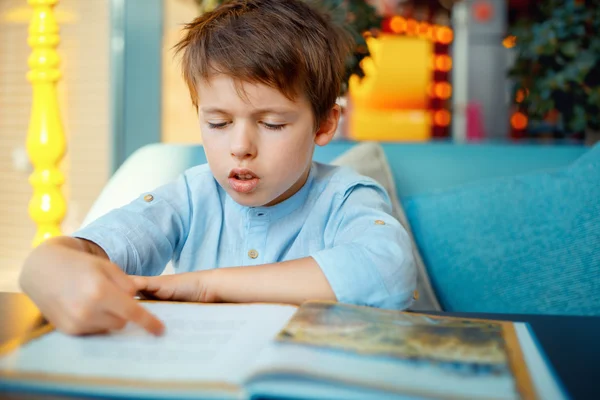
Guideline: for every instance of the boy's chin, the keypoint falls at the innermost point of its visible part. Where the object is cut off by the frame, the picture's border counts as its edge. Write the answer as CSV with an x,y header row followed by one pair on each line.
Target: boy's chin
x,y
247,200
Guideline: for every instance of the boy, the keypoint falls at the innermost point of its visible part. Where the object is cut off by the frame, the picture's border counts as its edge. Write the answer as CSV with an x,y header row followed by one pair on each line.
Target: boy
x,y
264,76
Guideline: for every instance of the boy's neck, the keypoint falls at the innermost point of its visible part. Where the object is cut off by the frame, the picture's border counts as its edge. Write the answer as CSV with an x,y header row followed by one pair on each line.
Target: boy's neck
x,y
295,188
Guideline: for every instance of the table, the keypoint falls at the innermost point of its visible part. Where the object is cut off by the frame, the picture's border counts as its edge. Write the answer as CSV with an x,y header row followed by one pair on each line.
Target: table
x,y
571,343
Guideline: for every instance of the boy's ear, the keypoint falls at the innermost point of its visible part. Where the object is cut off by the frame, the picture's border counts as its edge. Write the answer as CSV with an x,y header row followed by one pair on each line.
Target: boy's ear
x,y
328,127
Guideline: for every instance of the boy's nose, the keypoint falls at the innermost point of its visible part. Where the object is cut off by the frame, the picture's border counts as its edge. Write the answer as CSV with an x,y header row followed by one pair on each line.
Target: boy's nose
x,y
242,144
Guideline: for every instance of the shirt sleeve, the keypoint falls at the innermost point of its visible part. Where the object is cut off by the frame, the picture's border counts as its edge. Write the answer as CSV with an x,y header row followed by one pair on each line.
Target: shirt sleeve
x,y
370,260
144,235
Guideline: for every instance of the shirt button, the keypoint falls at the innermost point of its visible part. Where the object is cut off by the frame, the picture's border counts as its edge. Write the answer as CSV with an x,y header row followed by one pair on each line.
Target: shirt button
x,y
379,222
148,198
252,253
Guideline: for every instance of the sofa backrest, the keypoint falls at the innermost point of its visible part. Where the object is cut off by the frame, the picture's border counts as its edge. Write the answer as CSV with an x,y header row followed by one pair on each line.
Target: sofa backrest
x,y
423,167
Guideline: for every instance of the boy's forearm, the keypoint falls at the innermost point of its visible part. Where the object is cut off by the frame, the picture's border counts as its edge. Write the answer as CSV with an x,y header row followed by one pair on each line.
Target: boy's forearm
x,y
287,282
78,244
52,250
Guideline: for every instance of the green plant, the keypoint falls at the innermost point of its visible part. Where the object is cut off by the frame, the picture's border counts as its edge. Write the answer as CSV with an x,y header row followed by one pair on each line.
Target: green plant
x,y
356,16
557,64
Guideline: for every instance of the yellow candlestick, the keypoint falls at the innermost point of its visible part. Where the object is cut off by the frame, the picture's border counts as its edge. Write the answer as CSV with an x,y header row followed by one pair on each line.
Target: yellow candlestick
x,y
45,140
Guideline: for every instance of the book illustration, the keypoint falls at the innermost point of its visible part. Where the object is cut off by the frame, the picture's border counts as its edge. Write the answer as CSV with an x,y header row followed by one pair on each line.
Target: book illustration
x,y
461,346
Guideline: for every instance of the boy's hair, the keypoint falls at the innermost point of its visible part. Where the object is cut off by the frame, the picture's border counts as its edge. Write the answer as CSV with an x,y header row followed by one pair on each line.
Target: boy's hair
x,y
285,44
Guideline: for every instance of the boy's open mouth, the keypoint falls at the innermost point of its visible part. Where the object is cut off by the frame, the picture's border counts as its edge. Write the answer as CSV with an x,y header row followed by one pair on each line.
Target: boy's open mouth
x,y
242,180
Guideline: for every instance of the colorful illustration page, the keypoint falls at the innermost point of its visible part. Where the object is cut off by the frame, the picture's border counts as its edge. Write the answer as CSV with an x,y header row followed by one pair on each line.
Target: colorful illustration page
x,y
202,343
404,353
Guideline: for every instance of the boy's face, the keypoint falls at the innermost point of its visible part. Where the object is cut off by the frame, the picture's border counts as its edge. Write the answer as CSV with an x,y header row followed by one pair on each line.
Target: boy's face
x,y
259,146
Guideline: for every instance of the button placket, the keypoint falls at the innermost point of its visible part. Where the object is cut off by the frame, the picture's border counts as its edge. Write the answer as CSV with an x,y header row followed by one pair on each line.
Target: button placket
x,y
258,226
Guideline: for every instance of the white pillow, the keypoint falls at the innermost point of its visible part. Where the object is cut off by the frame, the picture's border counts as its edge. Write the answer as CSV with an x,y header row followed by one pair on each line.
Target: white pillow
x,y
368,159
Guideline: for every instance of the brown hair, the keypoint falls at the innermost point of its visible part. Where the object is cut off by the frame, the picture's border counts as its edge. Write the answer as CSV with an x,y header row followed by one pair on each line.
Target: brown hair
x,y
285,44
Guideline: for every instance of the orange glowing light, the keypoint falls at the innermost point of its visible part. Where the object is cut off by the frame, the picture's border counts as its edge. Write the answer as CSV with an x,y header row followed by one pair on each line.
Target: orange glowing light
x,y
443,63
518,121
411,27
398,24
441,118
520,95
443,90
483,11
509,42
444,35
424,30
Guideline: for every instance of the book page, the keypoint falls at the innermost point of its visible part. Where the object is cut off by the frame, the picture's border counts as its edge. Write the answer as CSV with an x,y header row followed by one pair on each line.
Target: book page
x,y
202,343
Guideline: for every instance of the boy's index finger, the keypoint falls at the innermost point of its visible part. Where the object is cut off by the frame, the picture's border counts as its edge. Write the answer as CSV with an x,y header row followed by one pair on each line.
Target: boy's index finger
x,y
129,309
142,317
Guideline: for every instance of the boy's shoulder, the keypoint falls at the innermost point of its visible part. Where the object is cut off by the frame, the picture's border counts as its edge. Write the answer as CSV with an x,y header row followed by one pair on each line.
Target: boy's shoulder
x,y
199,182
198,175
338,180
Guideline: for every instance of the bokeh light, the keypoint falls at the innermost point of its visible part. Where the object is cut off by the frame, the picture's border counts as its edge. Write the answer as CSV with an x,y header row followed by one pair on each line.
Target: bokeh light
x,y
509,42
411,27
518,121
443,62
441,118
444,35
443,90
424,30
398,24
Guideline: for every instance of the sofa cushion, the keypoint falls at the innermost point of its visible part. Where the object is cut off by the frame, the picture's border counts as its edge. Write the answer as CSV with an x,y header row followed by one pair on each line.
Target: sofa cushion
x,y
522,244
368,159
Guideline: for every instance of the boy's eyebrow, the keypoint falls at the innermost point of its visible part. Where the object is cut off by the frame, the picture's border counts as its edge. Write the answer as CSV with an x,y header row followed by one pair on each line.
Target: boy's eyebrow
x,y
213,110
274,110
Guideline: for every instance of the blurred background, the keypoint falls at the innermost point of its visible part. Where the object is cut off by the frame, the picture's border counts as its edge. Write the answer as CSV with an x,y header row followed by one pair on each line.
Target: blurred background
x,y
518,71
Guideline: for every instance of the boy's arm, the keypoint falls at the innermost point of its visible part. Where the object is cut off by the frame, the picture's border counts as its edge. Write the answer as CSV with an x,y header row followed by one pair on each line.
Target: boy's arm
x,y
290,282
142,236
82,245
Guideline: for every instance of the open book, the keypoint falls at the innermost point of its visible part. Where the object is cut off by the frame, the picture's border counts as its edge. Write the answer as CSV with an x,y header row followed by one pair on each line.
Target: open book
x,y
319,350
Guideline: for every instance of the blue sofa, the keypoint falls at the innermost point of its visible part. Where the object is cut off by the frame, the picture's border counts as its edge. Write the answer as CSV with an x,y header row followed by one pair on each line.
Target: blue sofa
x,y
459,202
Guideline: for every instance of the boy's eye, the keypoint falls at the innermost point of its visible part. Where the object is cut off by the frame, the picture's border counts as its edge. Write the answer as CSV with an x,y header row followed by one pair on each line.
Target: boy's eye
x,y
274,127
219,125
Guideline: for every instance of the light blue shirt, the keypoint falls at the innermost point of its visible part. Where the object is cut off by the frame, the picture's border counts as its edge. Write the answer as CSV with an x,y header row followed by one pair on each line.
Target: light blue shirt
x,y
341,219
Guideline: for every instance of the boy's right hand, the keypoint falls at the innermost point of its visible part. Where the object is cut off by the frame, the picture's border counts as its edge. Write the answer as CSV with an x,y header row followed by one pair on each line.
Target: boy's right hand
x,y
81,293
